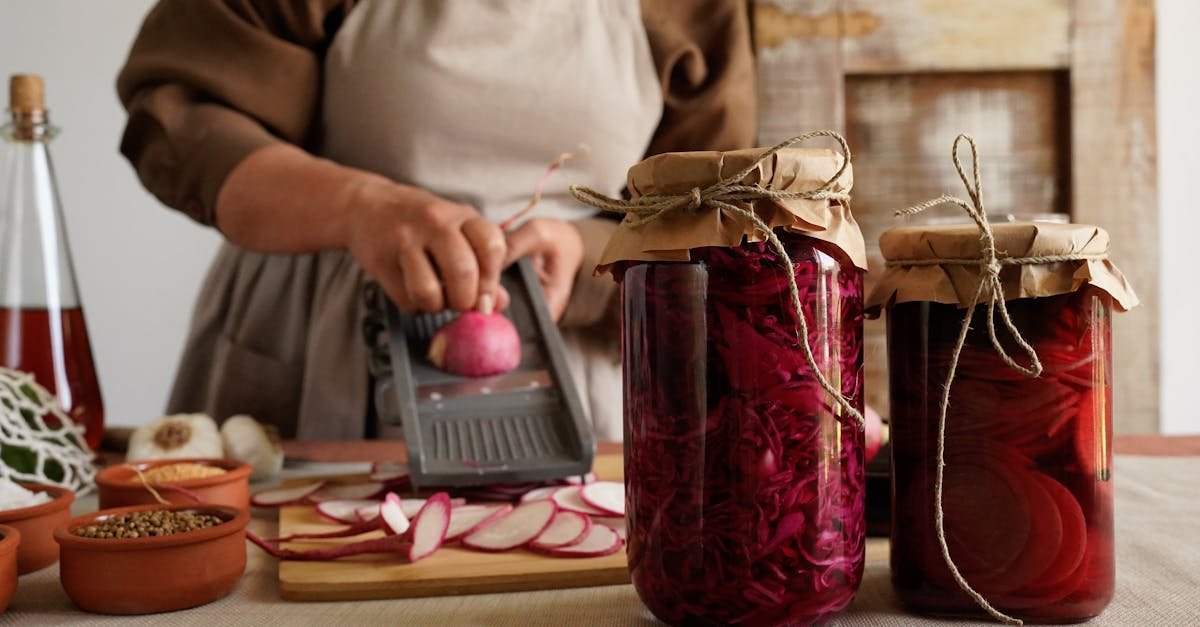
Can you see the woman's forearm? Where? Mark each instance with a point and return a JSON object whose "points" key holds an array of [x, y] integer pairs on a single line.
{"points": [[281, 199]]}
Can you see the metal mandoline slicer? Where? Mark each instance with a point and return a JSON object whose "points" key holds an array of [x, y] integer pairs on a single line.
{"points": [[526, 425]]}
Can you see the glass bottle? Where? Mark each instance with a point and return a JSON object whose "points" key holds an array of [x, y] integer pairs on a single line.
{"points": [[744, 480], [42, 328]]}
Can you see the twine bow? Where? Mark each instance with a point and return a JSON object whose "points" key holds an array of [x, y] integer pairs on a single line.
{"points": [[721, 196], [990, 264]]}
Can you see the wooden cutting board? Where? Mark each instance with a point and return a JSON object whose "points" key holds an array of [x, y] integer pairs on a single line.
{"points": [[450, 571]]}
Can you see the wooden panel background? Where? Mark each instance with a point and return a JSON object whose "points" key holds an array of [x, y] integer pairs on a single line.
{"points": [[1059, 94]]}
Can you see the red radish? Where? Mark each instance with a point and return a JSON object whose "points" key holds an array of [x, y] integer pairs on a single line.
{"points": [[278, 497], [429, 527], [368, 512], [615, 523], [600, 541], [476, 345], [356, 529], [468, 518], [568, 498], [345, 510], [606, 496], [423, 538], [412, 506], [567, 529], [386, 544], [391, 513], [574, 480], [540, 494], [346, 491], [876, 432], [388, 472], [516, 528]]}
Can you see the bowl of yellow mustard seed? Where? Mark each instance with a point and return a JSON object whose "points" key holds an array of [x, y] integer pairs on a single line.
{"points": [[177, 481], [152, 558]]}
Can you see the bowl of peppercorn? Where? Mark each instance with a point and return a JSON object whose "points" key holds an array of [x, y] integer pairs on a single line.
{"points": [[152, 558], [181, 481]]}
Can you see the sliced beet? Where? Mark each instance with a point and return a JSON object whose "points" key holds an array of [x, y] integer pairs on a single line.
{"points": [[987, 519], [1044, 542], [567, 529], [606, 496], [278, 497], [1074, 538], [516, 528]]}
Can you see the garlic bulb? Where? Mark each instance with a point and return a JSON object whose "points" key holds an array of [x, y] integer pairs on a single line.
{"points": [[256, 444], [176, 437]]}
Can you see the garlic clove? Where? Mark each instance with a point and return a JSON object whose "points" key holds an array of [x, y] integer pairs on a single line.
{"points": [[250, 441], [176, 437]]}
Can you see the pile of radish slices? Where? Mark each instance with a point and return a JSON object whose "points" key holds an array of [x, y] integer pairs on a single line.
{"points": [[572, 518]]}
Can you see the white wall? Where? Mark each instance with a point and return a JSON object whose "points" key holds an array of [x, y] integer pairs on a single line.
{"points": [[1179, 214], [139, 264]]}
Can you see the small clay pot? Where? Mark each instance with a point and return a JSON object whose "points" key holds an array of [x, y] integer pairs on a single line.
{"points": [[119, 485], [9, 539], [153, 574], [36, 525]]}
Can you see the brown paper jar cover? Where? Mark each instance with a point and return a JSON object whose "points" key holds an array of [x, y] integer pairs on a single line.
{"points": [[671, 237], [957, 283]]}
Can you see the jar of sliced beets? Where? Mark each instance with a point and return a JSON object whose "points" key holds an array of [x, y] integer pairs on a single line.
{"points": [[744, 474], [1020, 314]]}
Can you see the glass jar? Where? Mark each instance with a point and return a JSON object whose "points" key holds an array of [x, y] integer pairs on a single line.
{"points": [[744, 479]]}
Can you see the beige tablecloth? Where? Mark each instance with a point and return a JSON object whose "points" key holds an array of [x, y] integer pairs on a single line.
{"points": [[1158, 578]]}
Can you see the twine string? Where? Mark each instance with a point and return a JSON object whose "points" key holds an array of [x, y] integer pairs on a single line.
{"points": [[990, 292], [721, 196]]}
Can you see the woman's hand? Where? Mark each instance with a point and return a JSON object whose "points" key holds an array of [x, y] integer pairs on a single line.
{"points": [[426, 252], [556, 249]]}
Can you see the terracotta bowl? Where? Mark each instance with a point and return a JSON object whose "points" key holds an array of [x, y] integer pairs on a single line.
{"points": [[9, 539], [119, 485], [36, 525], [154, 574]]}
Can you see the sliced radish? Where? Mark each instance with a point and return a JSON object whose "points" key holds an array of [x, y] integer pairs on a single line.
{"points": [[368, 512], [516, 528], [568, 498], [616, 523], [387, 472], [567, 529], [540, 494], [278, 497], [347, 491], [422, 539], [608, 496], [600, 541], [386, 544], [392, 516], [345, 510], [356, 529], [412, 506], [429, 526], [580, 480], [468, 518]]}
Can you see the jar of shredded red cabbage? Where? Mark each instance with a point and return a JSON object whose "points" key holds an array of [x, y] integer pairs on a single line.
{"points": [[1027, 489], [744, 479]]}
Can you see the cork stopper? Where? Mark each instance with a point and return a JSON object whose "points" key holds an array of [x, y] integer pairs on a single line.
{"points": [[26, 93]]}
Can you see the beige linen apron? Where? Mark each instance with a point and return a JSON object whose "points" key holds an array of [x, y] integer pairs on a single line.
{"points": [[470, 99]]}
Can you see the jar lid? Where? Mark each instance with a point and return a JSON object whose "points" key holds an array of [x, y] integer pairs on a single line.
{"points": [[673, 235], [941, 263]]}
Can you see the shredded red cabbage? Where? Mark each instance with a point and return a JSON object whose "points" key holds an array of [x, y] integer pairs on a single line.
{"points": [[1028, 491], [744, 484]]}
